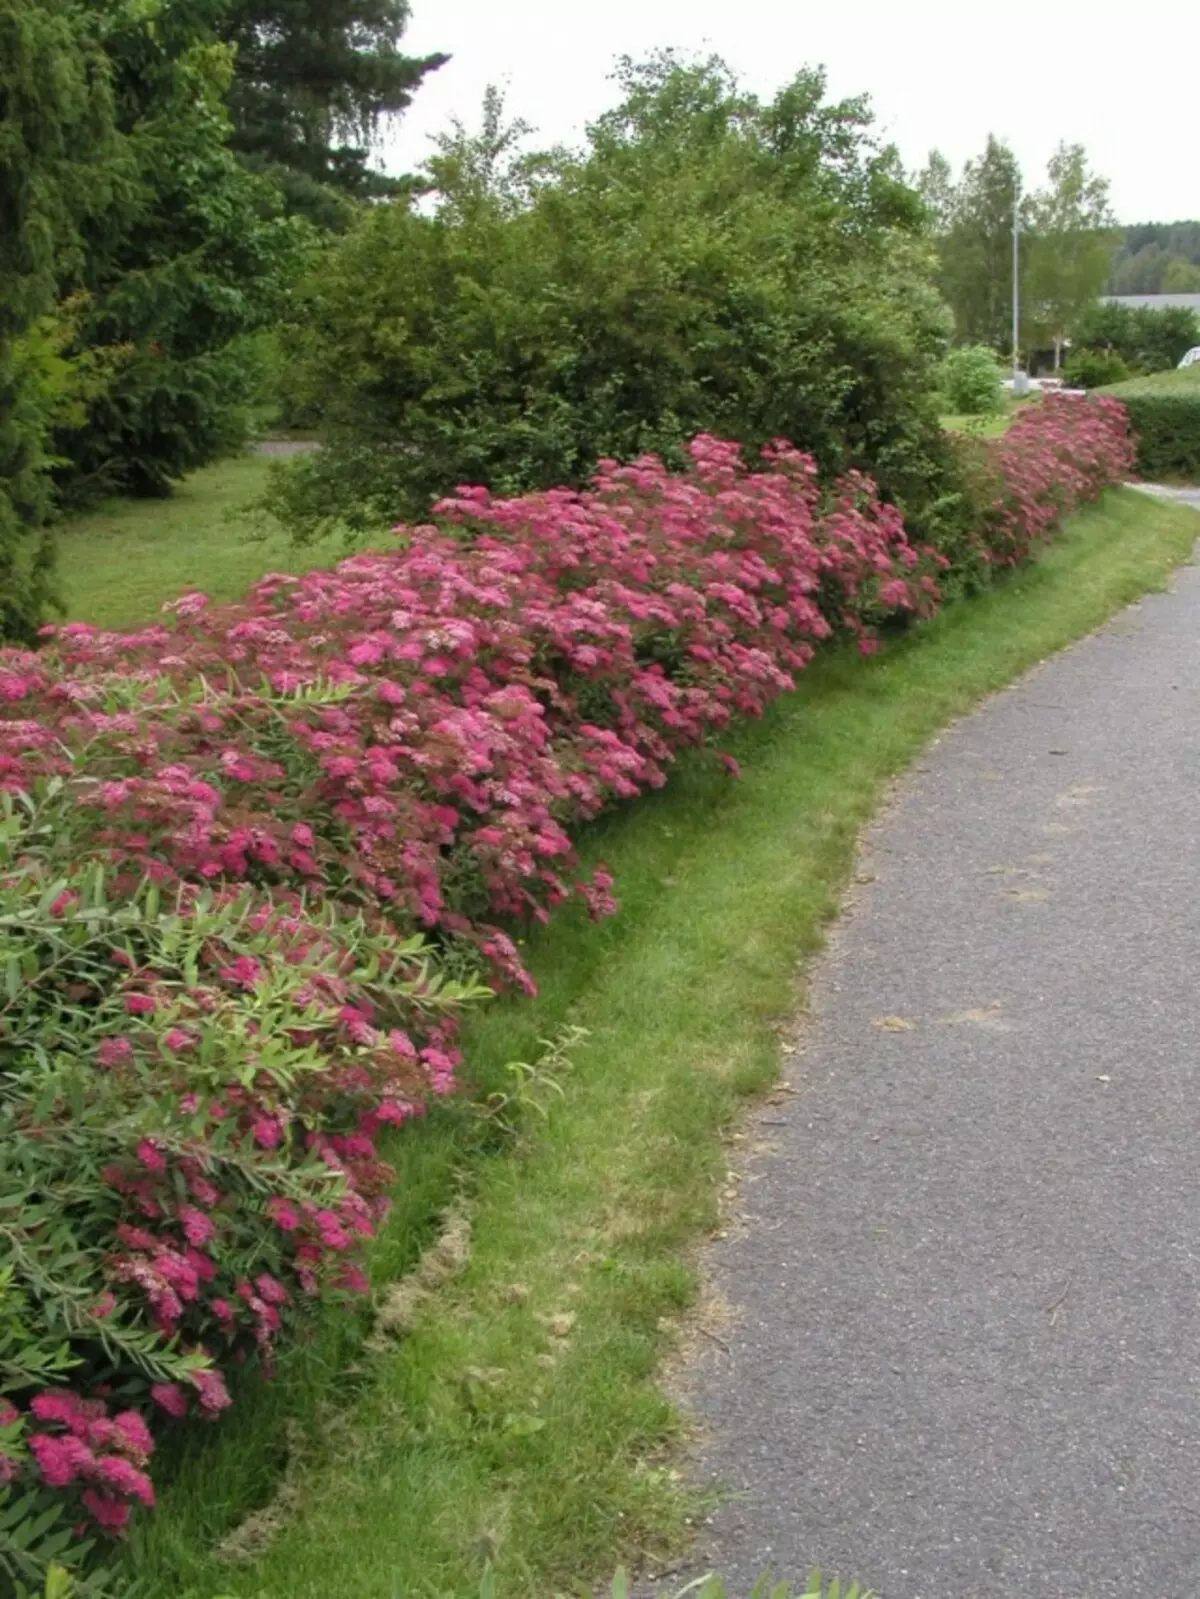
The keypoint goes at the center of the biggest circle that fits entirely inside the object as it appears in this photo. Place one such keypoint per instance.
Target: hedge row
(1164, 412)
(236, 849)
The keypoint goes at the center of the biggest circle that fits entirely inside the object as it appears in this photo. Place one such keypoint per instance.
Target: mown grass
(991, 427)
(118, 563)
(519, 1424)
(1185, 381)
(980, 427)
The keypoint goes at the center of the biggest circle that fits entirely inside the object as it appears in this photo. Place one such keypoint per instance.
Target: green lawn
(119, 563)
(989, 427)
(519, 1423)
(1186, 381)
(983, 427)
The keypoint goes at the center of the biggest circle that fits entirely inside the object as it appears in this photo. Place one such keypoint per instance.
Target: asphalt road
(964, 1360)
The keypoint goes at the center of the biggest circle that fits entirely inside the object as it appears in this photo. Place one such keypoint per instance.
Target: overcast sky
(939, 73)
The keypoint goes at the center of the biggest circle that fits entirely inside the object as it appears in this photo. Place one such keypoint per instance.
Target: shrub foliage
(970, 380)
(709, 263)
(1164, 412)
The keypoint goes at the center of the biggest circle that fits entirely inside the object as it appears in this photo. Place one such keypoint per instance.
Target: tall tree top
(314, 79)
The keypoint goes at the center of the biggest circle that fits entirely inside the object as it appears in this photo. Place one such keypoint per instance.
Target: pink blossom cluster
(238, 1070)
(420, 729)
(80, 1449)
(1056, 456)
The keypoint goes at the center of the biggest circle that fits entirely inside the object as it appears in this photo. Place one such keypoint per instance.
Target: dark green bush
(58, 167)
(710, 263)
(1145, 339)
(1164, 411)
(1094, 369)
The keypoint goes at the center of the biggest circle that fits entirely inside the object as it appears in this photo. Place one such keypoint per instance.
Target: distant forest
(1158, 258)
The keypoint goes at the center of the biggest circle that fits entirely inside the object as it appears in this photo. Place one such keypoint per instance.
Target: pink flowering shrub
(237, 847)
(1056, 456)
(192, 1083)
(417, 731)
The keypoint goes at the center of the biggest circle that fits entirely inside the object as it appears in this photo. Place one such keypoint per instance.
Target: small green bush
(1164, 412)
(1094, 369)
(970, 381)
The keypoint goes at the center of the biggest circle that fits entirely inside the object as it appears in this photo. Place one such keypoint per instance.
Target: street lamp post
(1019, 380)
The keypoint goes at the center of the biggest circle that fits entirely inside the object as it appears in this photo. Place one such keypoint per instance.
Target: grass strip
(518, 1423)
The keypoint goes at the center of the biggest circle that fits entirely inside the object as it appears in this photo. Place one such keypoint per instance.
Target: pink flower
(175, 1038)
(197, 1227)
(60, 1459)
(136, 1238)
(210, 1385)
(115, 1472)
(114, 1051)
(730, 765)
(267, 1131)
(151, 1157)
(63, 903)
(134, 1434)
(207, 1193)
(395, 1111)
(270, 1290)
(52, 1406)
(109, 1513)
(140, 1004)
(330, 1230)
(245, 971)
(284, 1214)
(171, 1397)
(105, 1304)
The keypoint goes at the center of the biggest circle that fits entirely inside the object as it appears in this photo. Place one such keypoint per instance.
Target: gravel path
(280, 449)
(965, 1354)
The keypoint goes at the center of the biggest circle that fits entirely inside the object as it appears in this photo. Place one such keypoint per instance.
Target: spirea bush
(1058, 454)
(237, 848)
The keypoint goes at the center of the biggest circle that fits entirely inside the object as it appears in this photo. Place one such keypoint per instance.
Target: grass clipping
(396, 1316)
(446, 1259)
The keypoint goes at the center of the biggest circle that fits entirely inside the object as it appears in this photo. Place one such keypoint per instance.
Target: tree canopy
(61, 164)
(313, 82)
(1067, 239)
(1158, 258)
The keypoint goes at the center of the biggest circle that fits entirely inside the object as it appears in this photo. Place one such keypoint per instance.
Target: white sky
(1122, 80)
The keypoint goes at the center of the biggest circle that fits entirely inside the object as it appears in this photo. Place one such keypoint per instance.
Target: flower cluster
(192, 1087)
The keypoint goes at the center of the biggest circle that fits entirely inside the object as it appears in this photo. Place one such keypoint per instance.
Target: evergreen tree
(314, 80)
(60, 162)
(176, 279)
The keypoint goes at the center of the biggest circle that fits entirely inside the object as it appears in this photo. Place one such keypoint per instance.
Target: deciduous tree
(1073, 234)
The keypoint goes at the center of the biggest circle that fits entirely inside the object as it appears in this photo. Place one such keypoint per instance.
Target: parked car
(1192, 358)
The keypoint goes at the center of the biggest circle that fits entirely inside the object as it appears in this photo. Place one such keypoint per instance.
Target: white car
(1192, 358)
